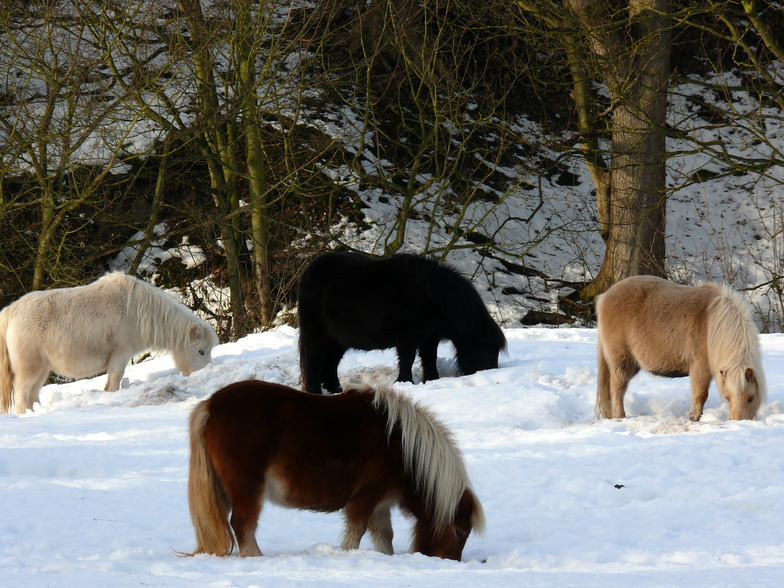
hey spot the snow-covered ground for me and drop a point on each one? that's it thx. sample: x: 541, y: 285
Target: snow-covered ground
x: 92, y: 483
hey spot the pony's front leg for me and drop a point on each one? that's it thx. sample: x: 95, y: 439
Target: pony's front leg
x: 428, y: 354
x: 363, y: 513
x: 353, y: 532
x: 381, y: 532
x: 700, y: 384
x: 113, y: 380
x: 114, y: 372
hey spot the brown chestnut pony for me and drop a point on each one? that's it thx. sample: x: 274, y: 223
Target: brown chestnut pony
x: 671, y: 330
x: 362, y: 452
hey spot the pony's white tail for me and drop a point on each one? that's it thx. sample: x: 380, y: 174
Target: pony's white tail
x: 6, y: 373
x: 602, y: 408
x: 207, y: 498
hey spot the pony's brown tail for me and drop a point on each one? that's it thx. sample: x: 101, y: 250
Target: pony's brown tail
x: 603, y: 405
x: 207, y: 498
x: 6, y: 373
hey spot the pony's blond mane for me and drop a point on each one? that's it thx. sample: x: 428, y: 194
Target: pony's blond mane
x: 733, y: 339
x: 430, y: 455
x: 163, y: 321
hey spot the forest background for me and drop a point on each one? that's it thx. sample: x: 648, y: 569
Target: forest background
x: 541, y: 147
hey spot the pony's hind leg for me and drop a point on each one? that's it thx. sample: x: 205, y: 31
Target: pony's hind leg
x: 332, y: 354
x: 603, y: 408
x: 620, y: 374
x: 618, y: 385
x: 311, y: 362
x: 380, y: 527
x: 406, y: 354
x: 27, y: 388
x: 245, y: 511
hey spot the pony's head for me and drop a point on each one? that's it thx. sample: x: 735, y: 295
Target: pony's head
x: 196, y: 351
x: 744, y: 389
x: 481, y: 352
x: 440, y: 496
x: 448, y: 540
x: 733, y: 354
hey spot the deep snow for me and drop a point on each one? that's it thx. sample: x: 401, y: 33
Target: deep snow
x: 93, y: 483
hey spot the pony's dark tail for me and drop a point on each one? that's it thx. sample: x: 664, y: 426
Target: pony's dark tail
x: 207, y: 498
x: 603, y: 406
x: 6, y: 373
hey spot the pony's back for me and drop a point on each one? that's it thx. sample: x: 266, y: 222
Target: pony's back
x: 651, y: 316
x: 401, y: 284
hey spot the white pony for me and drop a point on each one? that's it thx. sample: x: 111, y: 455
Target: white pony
x: 84, y: 331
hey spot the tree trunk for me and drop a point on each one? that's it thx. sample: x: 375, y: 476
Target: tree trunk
x: 586, y: 120
x: 218, y: 148
x: 635, y: 242
x: 634, y: 60
x: 257, y: 182
x: 44, y: 237
x: 155, y: 209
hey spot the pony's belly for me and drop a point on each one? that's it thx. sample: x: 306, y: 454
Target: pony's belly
x: 670, y: 373
x: 369, y: 337
x: 663, y: 366
x: 660, y: 359
x: 77, y: 366
x: 374, y: 323
x: 366, y: 340
x: 300, y: 495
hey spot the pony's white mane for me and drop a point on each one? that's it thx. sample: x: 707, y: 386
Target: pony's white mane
x: 163, y: 322
x: 430, y: 455
x: 733, y: 342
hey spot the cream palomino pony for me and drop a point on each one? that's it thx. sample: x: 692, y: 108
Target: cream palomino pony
x: 671, y: 330
x: 83, y: 331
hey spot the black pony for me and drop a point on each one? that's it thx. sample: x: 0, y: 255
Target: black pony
x: 349, y: 300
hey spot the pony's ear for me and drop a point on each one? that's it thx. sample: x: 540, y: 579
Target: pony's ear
x: 750, y: 377
x: 478, y: 521
x: 195, y: 331
x: 723, y: 373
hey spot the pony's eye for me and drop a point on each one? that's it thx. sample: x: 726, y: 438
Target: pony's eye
x: 460, y: 533
x: 201, y: 352
x: 750, y: 399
